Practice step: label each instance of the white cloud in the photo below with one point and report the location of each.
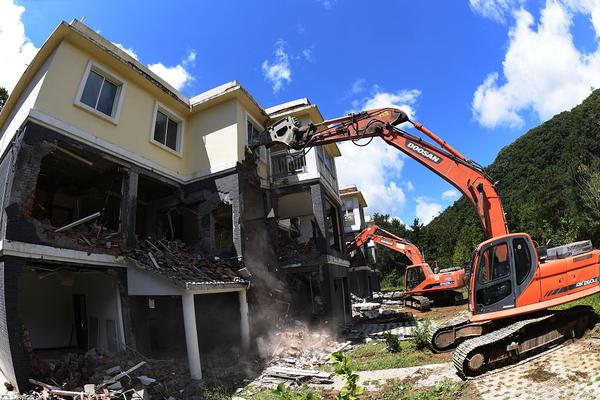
(278, 71)
(177, 76)
(450, 194)
(127, 50)
(16, 50)
(376, 168)
(543, 71)
(403, 99)
(308, 55)
(327, 4)
(358, 86)
(427, 210)
(409, 186)
(494, 9)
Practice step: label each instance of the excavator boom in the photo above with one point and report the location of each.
(388, 240)
(386, 123)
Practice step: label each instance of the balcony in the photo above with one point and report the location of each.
(285, 164)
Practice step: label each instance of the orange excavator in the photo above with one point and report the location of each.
(422, 286)
(513, 283)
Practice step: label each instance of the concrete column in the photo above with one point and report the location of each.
(191, 335)
(244, 324)
(319, 211)
(129, 189)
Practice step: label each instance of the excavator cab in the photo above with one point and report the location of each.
(502, 269)
(414, 275)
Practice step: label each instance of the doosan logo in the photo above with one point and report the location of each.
(419, 150)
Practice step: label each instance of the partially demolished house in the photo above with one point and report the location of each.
(134, 217)
(363, 274)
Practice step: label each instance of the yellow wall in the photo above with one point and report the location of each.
(210, 140)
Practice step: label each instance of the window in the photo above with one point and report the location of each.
(522, 259)
(414, 276)
(493, 264)
(100, 92)
(167, 129)
(252, 132)
(494, 293)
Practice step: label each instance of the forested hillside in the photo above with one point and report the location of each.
(549, 181)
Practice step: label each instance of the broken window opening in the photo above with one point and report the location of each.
(333, 226)
(222, 218)
(73, 186)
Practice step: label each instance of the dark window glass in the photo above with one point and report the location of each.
(494, 293)
(172, 135)
(107, 98)
(160, 127)
(92, 89)
(493, 264)
(414, 277)
(522, 259)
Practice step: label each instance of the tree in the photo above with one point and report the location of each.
(3, 97)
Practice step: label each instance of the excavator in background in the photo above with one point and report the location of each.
(422, 286)
(513, 282)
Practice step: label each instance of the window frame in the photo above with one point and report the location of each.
(262, 150)
(109, 76)
(180, 128)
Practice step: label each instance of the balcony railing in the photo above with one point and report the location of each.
(287, 164)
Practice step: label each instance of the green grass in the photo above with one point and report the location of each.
(443, 390)
(593, 301)
(375, 356)
(267, 394)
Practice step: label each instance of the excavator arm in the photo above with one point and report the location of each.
(464, 174)
(388, 240)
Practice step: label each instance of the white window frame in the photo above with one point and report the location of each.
(180, 128)
(113, 78)
(262, 151)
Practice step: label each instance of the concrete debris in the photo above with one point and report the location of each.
(184, 265)
(314, 376)
(131, 377)
(87, 236)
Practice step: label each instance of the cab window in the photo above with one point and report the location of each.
(493, 264)
(522, 257)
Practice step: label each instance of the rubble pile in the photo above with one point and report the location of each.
(124, 375)
(182, 264)
(292, 250)
(297, 352)
(90, 235)
(362, 310)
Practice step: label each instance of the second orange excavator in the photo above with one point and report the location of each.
(423, 287)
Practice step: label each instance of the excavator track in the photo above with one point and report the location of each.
(520, 339)
(420, 303)
(448, 328)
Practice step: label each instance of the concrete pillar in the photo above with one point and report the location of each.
(129, 189)
(320, 221)
(244, 323)
(191, 335)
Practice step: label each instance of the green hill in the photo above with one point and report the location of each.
(549, 182)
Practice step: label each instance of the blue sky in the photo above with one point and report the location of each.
(477, 72)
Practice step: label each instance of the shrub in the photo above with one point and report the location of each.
(421, 334)
(392, 342)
